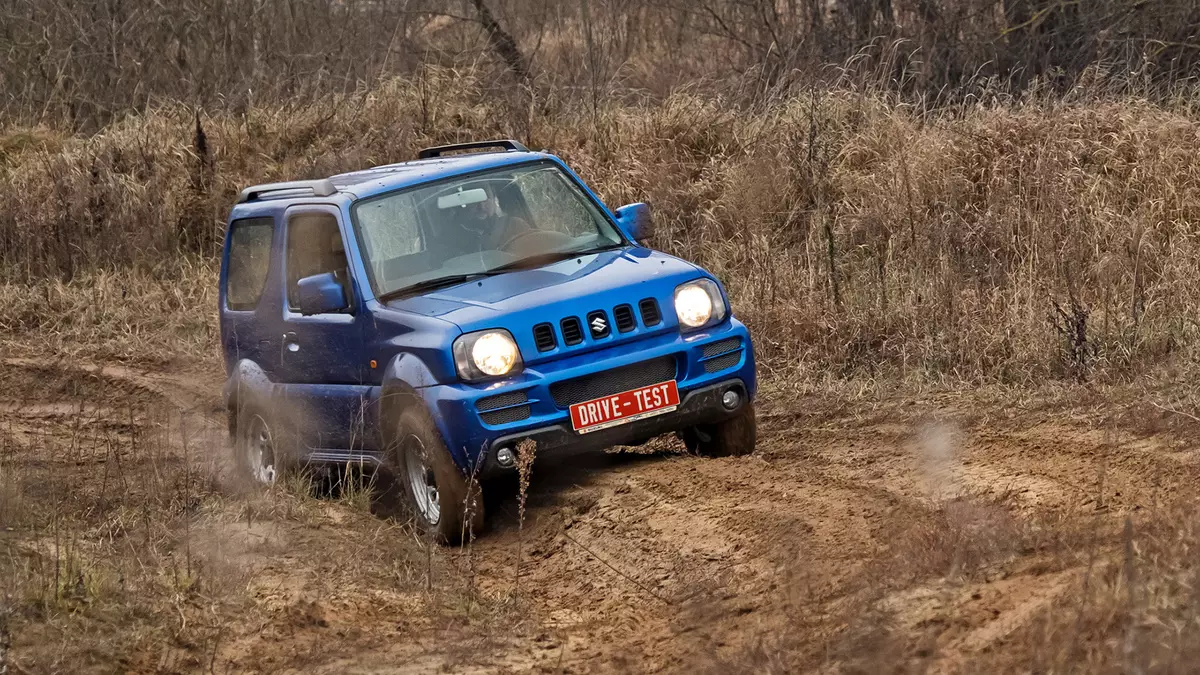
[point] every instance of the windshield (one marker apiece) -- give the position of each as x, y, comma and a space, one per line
478, 224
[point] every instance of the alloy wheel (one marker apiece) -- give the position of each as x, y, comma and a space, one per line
421, 481
260, 451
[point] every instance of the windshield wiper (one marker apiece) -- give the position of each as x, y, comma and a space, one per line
431, 284
547, 258
524, 263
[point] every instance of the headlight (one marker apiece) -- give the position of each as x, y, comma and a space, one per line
699, 303
487, 353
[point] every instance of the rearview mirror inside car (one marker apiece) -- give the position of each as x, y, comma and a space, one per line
462, 198
322, 294
635, 220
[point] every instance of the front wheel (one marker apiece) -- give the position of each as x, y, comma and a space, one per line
445, 503
733, 437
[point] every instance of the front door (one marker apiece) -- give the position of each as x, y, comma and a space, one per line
321, 365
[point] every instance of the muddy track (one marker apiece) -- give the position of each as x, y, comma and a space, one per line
849, 532
679, 563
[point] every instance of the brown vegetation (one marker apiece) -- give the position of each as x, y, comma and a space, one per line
860, 236
83, 68
967, 255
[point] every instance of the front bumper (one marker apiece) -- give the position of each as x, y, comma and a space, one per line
699, 406
471, 440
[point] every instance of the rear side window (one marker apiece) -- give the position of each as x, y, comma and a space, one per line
249, 258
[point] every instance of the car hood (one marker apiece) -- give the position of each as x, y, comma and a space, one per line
520, 299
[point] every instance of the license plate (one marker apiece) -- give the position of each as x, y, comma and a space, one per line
628, 406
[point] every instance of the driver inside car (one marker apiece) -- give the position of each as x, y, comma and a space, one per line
487, 225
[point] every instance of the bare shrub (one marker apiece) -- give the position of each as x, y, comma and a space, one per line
84, 70
526, 453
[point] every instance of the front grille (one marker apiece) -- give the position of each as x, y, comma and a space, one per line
596, 323
501, 401
722, 362
623, 316
572, 332
650, 314
606, 383
721, 346
543, 337
506, 415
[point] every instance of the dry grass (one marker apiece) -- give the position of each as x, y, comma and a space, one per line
124, 314
1130, 606
860, 236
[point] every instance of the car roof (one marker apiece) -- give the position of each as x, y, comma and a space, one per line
370, 182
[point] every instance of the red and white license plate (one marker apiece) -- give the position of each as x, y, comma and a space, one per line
628, 406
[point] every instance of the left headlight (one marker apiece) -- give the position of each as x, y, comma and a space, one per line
698, 304
485, 354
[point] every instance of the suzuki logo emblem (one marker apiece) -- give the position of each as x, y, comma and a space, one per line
598, 323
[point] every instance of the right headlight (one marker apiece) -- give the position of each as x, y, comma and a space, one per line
698, 304
486, 354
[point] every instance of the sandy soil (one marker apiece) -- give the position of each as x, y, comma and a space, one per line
906, 534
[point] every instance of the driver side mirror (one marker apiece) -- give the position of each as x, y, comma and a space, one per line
321, 294
635, 220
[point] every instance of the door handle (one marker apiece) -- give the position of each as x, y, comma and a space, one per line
290, 343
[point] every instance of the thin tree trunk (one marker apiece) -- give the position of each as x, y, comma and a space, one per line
502, 42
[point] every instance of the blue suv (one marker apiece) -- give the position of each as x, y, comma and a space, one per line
431, 316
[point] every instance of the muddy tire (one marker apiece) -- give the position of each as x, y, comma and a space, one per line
444, 503
256, 454
732, 438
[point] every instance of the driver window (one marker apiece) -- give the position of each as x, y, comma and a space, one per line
314, 246
390, 229
555, 205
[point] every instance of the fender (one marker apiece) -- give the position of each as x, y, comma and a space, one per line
246, 382
403, 379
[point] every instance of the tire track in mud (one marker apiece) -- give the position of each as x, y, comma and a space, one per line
717, 539
189, 392
40, 396
817, 513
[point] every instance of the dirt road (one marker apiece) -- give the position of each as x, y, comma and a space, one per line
931, 535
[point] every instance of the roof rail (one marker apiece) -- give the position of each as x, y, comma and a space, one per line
318, 188
509, 145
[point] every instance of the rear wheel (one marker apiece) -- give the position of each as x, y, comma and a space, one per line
444, 502
255, 448
733, 437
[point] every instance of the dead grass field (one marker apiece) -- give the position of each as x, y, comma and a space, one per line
978, 450
863, 236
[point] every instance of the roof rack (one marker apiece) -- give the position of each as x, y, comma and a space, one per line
318, 188
509, 145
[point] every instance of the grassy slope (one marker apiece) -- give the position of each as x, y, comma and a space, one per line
860, 237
